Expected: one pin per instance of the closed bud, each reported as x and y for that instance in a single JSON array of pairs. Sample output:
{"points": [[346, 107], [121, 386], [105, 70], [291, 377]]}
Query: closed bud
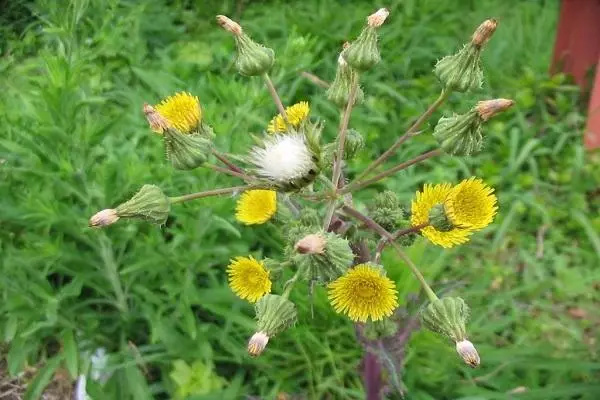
{"points": [[488, 108], [252, 58], [187, 151], [467, 351], [375, 330], [484, 32], [339, 90], [460, 72], [447, 316], [353, 145], [460, 135], [149, 204], [363, 53], [274, 314], [390, 214], [257, 344], [104, 218], [439, 220], [311, 244], [329, 264]]}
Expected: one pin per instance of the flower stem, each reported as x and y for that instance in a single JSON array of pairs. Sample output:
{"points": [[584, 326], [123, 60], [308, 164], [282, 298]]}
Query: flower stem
{"points": [[359, 185], [381, 231], [228, 171], [409, 133], [275, 97], [225, 160], [208, 193], [339, 155], [287, 288], [401, 232]]}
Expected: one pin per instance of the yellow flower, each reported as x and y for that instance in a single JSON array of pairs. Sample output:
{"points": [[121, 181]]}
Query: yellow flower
{"points": [[364, 292], [471, 204], [182, 112], [248, 278], [256, 206], [422, 205], [295, 114]]}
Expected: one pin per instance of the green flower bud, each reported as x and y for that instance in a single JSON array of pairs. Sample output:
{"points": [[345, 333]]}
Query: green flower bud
{"points": [[439, 220], [339, 91], [363, 53], [447, 316], [323, 257], [186, 151], [353, 145], [252, 58], [274, 314], [149, 204], [460, 135], [375, 330]]}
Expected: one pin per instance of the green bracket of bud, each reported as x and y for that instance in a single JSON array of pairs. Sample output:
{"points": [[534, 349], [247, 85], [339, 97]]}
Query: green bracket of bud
{"points": [[186, 151], [363, 53], [460, 135], [149, 204], [447, 316], [275, 314], [375, 330], [252, 59], [439, 220], [461, 72], [330, 265], [339, 91]]}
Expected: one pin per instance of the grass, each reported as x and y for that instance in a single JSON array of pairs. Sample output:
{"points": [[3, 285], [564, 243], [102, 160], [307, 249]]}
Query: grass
{"points": [[74, 141]]}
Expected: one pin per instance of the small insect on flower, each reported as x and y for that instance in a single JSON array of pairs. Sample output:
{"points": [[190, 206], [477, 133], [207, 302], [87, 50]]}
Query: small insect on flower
{"points": [[284, 158], [471, 204], [256, 206], [364, 292], [248, 278], [295, 115], [182, 111], [424, 204]]}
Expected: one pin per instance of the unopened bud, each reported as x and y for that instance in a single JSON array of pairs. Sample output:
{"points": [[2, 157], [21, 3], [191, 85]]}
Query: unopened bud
{"points": [[157, 122], [104, 218], [460, 135], [311, 244], [330, 263], [353, 145], [188, 151], [466, 350], [447, 316], [274, 314], [257, 344], [488, 108], [345, 77], [377, 19], [229, 25], [484, 32], [149, 204]]}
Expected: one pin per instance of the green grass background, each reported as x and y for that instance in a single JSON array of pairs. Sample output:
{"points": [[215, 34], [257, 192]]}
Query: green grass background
{"points": [[73, 77]]}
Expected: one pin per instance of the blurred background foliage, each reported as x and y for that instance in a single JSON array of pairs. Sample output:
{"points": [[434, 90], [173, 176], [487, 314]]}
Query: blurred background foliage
{"points": [[73, 77]]}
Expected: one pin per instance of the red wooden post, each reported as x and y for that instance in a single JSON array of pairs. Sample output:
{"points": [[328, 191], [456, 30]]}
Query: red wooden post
{"points": [[577, 50]]}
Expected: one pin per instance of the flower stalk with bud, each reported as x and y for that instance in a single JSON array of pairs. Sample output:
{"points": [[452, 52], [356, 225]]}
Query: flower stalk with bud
{"points": [[292, 179]]}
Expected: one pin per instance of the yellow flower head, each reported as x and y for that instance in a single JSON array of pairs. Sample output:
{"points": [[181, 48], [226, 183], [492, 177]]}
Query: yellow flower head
{"points": [[471, 204], [295, 114], [256, 206], [364, 292], [422, 205], [248, 278], [182, 112]]}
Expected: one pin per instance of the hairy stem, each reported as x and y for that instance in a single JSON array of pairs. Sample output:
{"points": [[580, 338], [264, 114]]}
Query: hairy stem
{"points": [[401, 232], [409, 133], [225, 160], [275, 97], [208, 193], [228, 171], [359, 185], [369, 223]]}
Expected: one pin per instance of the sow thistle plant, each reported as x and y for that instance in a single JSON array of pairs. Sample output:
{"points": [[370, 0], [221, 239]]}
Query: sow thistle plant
{"points": [[292, 178]]}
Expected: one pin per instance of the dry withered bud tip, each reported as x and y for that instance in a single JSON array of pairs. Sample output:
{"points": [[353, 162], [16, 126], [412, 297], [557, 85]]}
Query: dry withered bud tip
{"points": [[157, 122], [229, 25], [484, 32], [311, 244], [377, 19], [488, 108]]}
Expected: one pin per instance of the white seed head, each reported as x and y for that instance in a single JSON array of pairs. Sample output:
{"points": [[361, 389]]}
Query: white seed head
{"points": [[378, 18], [283, 158], [104, 218], [468, 353], [257, 344]]}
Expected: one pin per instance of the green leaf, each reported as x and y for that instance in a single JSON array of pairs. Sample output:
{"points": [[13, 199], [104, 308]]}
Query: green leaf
{"points": [[71, 353], [42, 378]]}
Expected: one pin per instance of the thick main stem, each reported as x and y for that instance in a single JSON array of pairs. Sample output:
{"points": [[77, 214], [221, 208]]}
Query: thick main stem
{"points": [[409, 133], [359, 185], [381, 231], [208, 193], [275, 97], [339, 155]]}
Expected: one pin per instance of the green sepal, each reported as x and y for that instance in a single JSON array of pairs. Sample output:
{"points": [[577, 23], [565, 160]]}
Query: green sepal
{"points": [[439, 220], [363, 53], [339, 90], [333, 263], [252, 58], [186, 151], [447, 316], [375, 330], [149, 204], [274, 314], [460, 72], [460, 135]]}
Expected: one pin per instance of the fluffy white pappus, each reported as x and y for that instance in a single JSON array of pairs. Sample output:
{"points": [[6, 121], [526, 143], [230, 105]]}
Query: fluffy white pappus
{"points": [[283, 158]]}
